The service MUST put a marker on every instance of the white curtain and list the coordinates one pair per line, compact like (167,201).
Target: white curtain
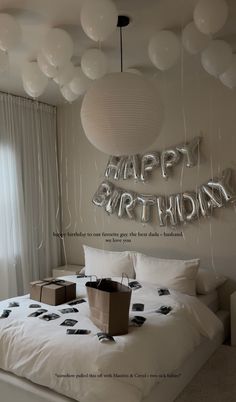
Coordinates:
(29,193)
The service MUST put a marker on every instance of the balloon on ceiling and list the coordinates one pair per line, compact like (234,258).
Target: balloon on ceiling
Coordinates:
(10,32)
(217,57)
(46,68)
(80,83)
(210,15)
(164,49)
(34,81)
(228,77)
(98,19)
(58,47)
(193,40)
(94,64)
(65,74)
(68,94)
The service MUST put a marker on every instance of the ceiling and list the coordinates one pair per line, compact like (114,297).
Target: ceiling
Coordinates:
(36,17)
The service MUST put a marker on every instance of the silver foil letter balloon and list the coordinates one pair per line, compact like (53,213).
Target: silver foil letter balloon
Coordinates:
(131,167)
(191,205)
(103,194)
(127,204)
(169,158)
(222,185)
(148,162)
(146,201)
(189,151)
(114,168)
(166,209)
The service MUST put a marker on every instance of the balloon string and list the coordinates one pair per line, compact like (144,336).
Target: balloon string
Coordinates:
(212,175)
(212,248)
(80,199)
(198,178)
(67,196)
(219,164)
(184,120)
(75,200)
(41,208)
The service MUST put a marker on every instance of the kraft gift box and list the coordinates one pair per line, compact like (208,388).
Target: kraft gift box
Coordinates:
(52,291)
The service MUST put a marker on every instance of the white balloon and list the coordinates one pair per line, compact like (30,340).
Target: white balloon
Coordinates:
(217,57)
(80,83)
(193,40)
(58,47)
(98,18)
(133,71)
(228,77)
(46,67)
(33,79)
(94,64)
(32,94)
(4,61)
(68,94)
(10,32)
(210,15)
(164,49)
(65,74)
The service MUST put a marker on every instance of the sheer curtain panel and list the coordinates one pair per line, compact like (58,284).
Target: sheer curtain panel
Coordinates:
(29,193)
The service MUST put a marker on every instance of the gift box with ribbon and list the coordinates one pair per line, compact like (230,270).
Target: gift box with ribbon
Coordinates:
(52,291)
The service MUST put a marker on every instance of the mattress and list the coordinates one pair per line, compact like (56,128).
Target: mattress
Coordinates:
(87,370)
(22,390)
(211,300)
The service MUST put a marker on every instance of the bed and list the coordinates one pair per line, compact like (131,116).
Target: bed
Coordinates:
(36,356)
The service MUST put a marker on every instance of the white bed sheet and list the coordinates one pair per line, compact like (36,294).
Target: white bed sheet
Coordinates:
(41,351)
(211,300)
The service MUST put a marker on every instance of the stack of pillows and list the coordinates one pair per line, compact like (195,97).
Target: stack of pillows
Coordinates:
(181,275)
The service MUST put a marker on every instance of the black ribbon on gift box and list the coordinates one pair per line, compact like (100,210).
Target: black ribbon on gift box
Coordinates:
(51,282)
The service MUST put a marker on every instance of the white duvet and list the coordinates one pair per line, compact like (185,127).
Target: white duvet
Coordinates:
(82,368)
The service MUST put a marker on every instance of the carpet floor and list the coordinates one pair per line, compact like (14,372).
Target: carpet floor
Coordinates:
(216,381)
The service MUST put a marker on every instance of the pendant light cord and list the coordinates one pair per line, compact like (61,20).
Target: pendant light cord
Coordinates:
(121,50)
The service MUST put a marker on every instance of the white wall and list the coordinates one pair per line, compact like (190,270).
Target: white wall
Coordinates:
(195,103)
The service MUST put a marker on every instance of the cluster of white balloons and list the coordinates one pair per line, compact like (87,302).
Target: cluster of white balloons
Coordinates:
(98,20)
(216,55)
(54,62)
(10,37)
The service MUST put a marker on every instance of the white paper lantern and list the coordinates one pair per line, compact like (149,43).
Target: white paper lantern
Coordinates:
(133,71)
(65,74)
(46,67)
(80,83)
(122,114)
(58,47)
(10,32)
(217,57)
(94,64)
(228,77)
(210,15)
(68,94)
(33,79)
(98,18)
(4,61)
(193,40)
(164,49)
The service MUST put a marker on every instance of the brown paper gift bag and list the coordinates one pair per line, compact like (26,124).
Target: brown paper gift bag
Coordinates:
(109,303)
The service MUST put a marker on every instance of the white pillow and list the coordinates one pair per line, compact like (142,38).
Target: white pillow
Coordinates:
(207,281)
(176,274)
(103,263)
